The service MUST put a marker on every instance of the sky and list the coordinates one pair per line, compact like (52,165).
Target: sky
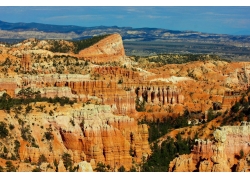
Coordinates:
(211,19)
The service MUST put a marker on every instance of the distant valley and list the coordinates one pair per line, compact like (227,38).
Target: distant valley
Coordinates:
(138,41)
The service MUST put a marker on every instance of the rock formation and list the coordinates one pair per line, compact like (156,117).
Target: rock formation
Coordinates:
(243,164)
(125,76)
(84,167)
(108,88)
(8,85)
(107,50)
(222,154)
(183,163)
(163,95)
(79,87)
(26,62)
(229,99)
(91,132)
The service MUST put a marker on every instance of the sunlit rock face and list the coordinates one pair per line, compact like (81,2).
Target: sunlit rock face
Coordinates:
(221,154)
(86,133)
(107,50)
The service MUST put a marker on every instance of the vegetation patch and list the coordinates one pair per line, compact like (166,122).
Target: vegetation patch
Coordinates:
(4,132)
(6,102)
(162,155)
(85,43)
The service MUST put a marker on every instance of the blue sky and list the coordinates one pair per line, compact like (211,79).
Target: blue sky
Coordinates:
(211,19)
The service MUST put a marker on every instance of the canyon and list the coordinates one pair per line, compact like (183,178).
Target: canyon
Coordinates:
(79,110)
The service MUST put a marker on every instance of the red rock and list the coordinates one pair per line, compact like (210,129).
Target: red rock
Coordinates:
(107,50)
(26,62)
(219,155)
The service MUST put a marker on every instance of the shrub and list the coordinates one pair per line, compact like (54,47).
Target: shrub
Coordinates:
(11,126)
(37,169)
(133,169)
(42,159)
(3,130)
(120,81)
(25,133)
(28,109)
(210,115)
(56,165)
(101,167)
(16,148)
(48,135)
(1,169)
(5,150)
(51,113)
(236,107)
(10,167)
(72,122)
(67,161)
(82,44)
(241,153)
(121,169)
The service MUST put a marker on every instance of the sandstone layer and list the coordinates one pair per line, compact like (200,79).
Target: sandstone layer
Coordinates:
(86,133)
(223,154)
(109,49)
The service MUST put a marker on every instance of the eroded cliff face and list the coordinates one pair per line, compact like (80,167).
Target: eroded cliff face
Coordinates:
(89,133)
(83,89)
(113,89)
(228,151)
(193,86)
(119,88)
(105,137)
(205,82)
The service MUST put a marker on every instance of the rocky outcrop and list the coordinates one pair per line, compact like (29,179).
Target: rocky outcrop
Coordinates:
(229,141)
(120,94)
(61,167)
(26,62)
(229,99)
(82,88)
(118,74)
(105,137)
(89,133)
(25,167)
(223,154)
(244,164)
(8,85)
(107,50)
(52,92)
(205,166)
(182,163)
(84,167)
(163,95)
(208,82)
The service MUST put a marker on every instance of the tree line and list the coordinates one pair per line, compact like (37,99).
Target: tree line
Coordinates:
(26,97)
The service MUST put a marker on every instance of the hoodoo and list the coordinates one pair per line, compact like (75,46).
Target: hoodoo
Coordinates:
(63,108)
